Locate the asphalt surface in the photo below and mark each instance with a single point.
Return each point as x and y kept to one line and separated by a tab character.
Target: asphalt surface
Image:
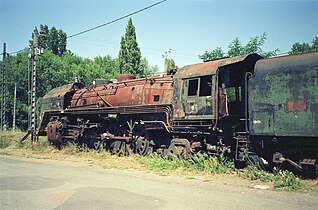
49	184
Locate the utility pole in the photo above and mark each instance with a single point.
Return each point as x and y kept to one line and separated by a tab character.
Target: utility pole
36	50
14	105
3	104
165	64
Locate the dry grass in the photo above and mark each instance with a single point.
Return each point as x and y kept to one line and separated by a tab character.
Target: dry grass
42	150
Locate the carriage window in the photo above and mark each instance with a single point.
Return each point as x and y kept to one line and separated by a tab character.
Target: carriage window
193	87
205	86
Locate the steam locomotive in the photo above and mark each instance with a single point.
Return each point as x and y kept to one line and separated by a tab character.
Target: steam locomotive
231	106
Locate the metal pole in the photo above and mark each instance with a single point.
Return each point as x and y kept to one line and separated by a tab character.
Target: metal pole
14	105
29	91
3	107
33	89
33	79
165	56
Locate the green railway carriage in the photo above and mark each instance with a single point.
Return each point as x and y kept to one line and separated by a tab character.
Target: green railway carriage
283	109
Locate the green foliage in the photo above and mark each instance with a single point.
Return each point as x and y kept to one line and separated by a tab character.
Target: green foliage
146	69
3	143
43	37
129	54
214	54
254	172
236	48
62	37
198	163
299	48
282	179
52	39
170	63
286	180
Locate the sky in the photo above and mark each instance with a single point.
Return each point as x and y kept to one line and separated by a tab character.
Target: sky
188	27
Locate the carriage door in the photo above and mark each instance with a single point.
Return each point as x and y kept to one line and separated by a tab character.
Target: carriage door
197	97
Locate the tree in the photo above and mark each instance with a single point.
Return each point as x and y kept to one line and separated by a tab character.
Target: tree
146	69
314	46
214	54
52	39
298	48
129	54
43	36
236	48
171	63
61	42
122	55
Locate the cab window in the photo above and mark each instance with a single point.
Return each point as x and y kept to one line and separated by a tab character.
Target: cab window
205	86
200	86
193	87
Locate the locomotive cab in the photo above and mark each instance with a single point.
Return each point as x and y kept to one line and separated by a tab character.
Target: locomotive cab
209	102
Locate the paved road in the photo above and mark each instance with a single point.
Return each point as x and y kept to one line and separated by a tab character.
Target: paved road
47	184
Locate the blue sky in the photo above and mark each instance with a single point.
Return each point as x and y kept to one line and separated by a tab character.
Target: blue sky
189	27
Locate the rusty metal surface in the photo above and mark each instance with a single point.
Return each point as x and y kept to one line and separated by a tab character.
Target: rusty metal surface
61	91
210	67
53	132
296	105
123	77
144	91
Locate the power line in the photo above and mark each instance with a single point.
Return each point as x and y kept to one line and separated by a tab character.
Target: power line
102	42
118	19
102	25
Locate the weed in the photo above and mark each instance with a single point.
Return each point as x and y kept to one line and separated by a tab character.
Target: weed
196	164
286	180
3	143
254	172
282	180
4	153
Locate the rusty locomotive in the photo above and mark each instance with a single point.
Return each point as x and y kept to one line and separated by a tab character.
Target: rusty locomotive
230	106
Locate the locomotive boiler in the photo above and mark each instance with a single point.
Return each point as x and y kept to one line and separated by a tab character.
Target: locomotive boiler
230	106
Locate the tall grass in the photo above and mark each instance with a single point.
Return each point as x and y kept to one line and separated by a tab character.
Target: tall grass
198	163
10	138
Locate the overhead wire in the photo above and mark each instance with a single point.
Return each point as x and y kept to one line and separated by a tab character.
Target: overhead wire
102	42
102	25
118	19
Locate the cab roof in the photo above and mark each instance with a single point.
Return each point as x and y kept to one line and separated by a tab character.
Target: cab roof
210	67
